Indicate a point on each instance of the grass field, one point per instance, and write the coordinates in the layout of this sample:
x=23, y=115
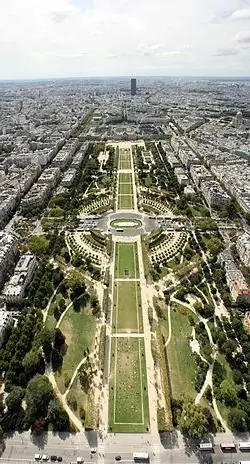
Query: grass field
x=125, y=202
x=127, y=311
x=124, y=162
x=180, y=360
x=125, y=177
x=126, y=261
x=78, y=399
x=125, y=189
x=79, y=330
x=128, y=398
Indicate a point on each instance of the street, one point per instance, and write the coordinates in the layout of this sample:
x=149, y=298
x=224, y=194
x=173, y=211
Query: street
x=21, y=449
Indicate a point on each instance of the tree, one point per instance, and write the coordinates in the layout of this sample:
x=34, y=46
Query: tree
x=33, y=362
x=228, y=392
x=76, y=283
x=46, y=339
x=38, y=244
x=237, y=420
x=39, y=392
x=59, y=338
x=193, y=422
x=14, y=399
x=57, y=416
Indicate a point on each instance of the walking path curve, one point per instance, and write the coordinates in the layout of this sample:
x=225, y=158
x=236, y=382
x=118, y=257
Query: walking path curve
x=75, y=421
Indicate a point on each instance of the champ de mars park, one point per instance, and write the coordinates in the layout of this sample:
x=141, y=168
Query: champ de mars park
x=133, y=336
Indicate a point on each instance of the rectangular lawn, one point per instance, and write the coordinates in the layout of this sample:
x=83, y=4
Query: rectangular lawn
x=125, y=201
x=127, y=311
x=124, y=162
x=128, y=397
x=125, y=189
x=126, y=261
x=125, y=177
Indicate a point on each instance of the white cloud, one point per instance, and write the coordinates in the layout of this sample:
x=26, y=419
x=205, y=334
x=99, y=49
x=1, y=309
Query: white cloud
x=43, y=38
x=241, y=14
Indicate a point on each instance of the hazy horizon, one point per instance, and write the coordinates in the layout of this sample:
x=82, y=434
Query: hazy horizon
x=63, y=38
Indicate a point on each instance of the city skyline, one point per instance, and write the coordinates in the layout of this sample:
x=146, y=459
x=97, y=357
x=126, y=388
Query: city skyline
x=78, y=38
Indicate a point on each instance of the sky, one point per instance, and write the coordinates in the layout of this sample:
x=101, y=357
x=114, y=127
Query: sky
x=71, y=38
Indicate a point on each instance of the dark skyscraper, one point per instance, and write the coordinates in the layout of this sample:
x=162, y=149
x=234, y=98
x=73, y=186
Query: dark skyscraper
x=133, y=87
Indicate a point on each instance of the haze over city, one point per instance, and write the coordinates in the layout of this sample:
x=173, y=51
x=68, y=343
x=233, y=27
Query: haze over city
x=74, y=38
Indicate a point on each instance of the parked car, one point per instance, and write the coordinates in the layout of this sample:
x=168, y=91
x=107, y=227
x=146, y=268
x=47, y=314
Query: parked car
x=59, y=458
x=118, y=458
x=53, y=458
x=45, y=457
x=79, y=460
x=37, y=457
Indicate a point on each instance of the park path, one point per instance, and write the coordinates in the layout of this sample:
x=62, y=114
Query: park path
x=75, y=421
x=63, y=315
x=169, y=325
x=74, y=376
x=45, y=312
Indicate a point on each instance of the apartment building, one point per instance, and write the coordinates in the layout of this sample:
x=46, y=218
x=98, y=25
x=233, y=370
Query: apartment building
x=236, y=282
x=69, y=177
x=214, y=194
x=8, y=251
x=243, y=248
x=13, y=291
x=6, y=321
x=181, y=175
x=199, y=173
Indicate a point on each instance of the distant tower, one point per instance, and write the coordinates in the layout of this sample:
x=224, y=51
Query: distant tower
x=133, y=87
x=238, y=119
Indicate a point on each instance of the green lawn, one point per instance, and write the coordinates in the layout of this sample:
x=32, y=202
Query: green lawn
x=126, y=260
x=124, y=162
x=127, y=312
x=180, y=360
x=79, y=330
x=125, y=177
x=125, y=189
x=50, y=320
x=125, y=201
x=128, y=397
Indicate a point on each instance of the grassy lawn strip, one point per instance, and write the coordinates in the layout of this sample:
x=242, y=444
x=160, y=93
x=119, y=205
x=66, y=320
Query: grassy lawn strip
x=124, y=162
x=126, y=260
x=127, y=313
x=180, y=360
x=125, y=189
x=128, y=401
x=79, y=330
x=125, y=177
x=125, y=201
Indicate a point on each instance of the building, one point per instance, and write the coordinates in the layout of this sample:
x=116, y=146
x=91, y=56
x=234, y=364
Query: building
x=13, y=291
x=147, y=158
x=133, y=87
x=69, y=177
x=214, y=194
x=243, y=248
x=8, y=251
x=181, y=175
x=236, y=282
x=199, y=173
x=6, y=321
